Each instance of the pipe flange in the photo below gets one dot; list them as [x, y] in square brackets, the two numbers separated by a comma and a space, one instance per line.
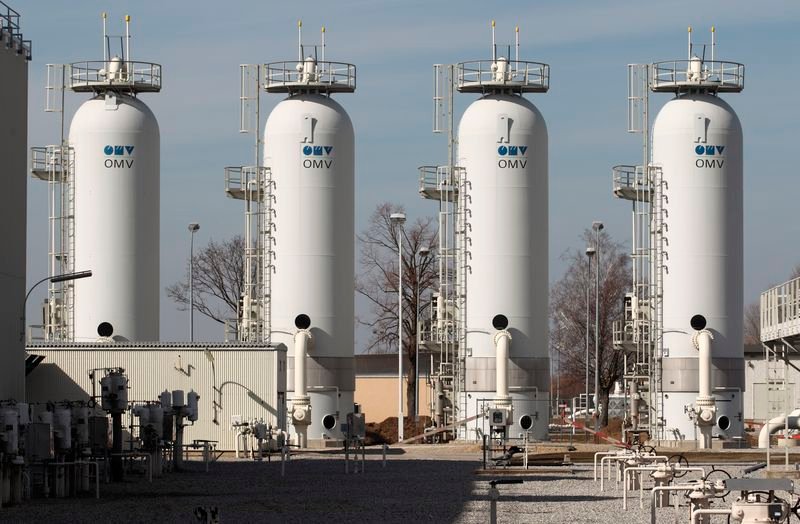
[696, 336]
[705, 402]
[500, 334]
[301, 401]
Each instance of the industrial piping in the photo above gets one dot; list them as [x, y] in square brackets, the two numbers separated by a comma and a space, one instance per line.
[775, 425]
[705, 405]
[301, 402]
[502, 342]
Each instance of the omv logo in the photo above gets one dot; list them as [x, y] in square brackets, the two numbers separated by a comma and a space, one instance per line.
[126, 152]
[110, 150]
[709, 150]
[703, 152]
[317, 150]
[512, 150]
[322, 157]
[506, 153]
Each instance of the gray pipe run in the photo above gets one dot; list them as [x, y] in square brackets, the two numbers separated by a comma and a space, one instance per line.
[776, 424]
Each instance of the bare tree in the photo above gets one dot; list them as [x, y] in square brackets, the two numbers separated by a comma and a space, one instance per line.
[377, 281]
[218, 279]
[752, 323]
[568, 314]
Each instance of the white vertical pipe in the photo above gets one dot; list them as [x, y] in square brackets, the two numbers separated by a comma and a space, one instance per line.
[690, 42]
[301, 340]
[516, 53]
[502, 342]
[704, 338]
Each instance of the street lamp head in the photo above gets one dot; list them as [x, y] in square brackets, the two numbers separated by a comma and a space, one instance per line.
[397, 218]
[71, 276]
[194, 226]
[597, 225]
[590, 251]
[424, 252]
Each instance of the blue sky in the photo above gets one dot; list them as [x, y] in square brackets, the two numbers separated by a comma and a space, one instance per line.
[394, 44]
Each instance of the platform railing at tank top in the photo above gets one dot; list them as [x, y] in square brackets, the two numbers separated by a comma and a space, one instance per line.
[141, 76]
[9, 23]
[529, 76]
[714, 74]
[332, 75]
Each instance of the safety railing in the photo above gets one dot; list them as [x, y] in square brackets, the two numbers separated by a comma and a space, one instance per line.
[684, 75]
[10, 31]
[309, 75]
[630, 182]
[780, 311]
[437, 180]
[132, 76]
[513, 75]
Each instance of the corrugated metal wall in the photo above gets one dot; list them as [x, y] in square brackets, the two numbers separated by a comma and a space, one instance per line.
[250, 383]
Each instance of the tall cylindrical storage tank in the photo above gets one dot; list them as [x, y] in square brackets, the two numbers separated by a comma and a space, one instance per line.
[116, 145]
[309, 150]
[503, 148]
[697, 144]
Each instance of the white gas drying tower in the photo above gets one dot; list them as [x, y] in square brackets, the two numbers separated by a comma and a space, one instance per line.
[682, 328]
[309, 149]
[104, 205]
[300, 243]
[502, 149]
[697, 144]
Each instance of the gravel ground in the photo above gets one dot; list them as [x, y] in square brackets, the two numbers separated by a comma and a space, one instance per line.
[418, 484]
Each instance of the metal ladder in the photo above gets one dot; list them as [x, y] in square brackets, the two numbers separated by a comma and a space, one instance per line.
[656, 296]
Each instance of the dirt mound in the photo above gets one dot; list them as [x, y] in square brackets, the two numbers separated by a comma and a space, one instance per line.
[386, 432]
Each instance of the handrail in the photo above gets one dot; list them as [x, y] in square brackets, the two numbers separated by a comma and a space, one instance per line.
[780, 311]
[514, 75]
[295, 76]
[9, 23]
[684, 75]
[97, 74]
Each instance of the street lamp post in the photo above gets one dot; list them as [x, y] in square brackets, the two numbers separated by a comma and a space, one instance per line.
[193, 227]
[597, 226]
[398, 219]
[423, 253]
[57, 278]
[589, 255]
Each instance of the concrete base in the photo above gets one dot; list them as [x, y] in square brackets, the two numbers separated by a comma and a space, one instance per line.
[678, 445]
[324, 443]
[783, 472]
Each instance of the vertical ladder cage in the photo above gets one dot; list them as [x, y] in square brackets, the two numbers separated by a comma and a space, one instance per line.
[55, 164]
[448, 186]
[254, 185]
[639, 334]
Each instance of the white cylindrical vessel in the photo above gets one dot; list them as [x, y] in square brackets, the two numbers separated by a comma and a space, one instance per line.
[309, 148]
[697, 143]
[116, 144]
[502, 145]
